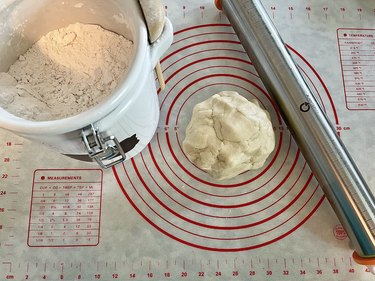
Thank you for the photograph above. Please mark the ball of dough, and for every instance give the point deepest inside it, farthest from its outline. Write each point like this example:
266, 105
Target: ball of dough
228, 135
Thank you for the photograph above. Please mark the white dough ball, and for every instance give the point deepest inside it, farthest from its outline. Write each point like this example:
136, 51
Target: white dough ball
228, 135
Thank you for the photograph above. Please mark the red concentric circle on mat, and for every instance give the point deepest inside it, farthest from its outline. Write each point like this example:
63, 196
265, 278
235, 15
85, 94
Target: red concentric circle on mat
178, 199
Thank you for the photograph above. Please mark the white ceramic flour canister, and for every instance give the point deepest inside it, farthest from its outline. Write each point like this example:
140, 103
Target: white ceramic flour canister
124, 123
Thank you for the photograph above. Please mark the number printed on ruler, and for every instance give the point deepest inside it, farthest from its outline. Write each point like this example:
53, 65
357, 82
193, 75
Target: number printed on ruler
9, 179
65, 208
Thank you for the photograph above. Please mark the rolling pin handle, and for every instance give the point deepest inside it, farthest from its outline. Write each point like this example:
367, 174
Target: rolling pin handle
218, 5
367, 261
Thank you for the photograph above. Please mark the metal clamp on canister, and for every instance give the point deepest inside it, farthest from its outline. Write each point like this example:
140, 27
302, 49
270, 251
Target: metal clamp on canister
106, 151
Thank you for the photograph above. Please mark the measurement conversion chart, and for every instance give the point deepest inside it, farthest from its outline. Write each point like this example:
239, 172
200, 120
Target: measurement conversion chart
65, 208
157, 216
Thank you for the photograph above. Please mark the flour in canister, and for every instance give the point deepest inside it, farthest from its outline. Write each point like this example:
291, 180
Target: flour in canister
66, 72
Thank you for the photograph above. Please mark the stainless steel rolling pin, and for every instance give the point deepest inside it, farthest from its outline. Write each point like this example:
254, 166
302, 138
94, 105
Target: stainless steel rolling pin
323, 150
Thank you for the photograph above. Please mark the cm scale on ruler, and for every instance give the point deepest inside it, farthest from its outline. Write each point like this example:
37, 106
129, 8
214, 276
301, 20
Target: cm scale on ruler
158, 217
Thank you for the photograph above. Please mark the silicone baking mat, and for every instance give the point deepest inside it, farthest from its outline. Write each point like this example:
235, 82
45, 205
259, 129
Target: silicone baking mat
158, 217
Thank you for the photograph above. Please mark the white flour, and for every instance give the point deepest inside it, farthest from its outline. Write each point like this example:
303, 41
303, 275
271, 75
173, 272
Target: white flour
66, 72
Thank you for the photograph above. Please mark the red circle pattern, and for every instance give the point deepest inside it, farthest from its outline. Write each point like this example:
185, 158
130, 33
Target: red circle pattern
255, 209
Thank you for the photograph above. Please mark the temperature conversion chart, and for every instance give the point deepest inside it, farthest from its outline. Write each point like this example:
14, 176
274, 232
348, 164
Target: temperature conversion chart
356, 53
157, 216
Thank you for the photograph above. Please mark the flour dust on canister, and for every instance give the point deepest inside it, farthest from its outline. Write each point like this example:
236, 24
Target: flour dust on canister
122, 124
